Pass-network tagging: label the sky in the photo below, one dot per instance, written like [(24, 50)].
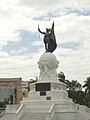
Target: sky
[(21, 45)]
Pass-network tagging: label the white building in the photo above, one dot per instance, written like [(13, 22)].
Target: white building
[(48, 98)]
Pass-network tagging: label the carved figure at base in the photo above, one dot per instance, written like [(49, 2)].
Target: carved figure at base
[(48, 65), (49, 39)]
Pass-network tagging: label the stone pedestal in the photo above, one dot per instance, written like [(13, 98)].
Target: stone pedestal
[(48, 87)]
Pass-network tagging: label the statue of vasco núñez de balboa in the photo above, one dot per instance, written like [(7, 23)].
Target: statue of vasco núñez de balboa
[(49, 39), (48, 62)]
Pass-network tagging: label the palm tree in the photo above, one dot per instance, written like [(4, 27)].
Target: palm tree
[(33, 80), (74, 90), (87, 91), (74, 85), (61, 77), (87, 85)]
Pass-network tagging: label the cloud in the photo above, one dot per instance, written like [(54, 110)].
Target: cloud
[(37, 43), (17, 66), (73, 27), (3, 54), (55, 4)]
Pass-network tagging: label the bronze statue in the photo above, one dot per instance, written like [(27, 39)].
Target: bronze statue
[(49, 39)]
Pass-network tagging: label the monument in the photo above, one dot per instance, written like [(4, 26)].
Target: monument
[(48, 98)]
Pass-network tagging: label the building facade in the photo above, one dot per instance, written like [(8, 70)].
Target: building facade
[(11, 90)]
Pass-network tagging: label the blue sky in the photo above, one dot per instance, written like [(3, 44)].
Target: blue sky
[(21, 45), (27, 38)]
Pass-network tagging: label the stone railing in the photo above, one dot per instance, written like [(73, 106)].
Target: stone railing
[(2, 114), (49, 115), (65, 107), (12, 108), (14, 112), (71, 107), (20, 112), (52, 111), (83, 109)]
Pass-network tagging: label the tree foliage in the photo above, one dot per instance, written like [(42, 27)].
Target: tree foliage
[(87, 85), (87, 91), (74, 89)]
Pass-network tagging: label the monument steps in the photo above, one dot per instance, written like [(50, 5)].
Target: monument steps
[(34, 116), (67, 115), (38, 109)]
